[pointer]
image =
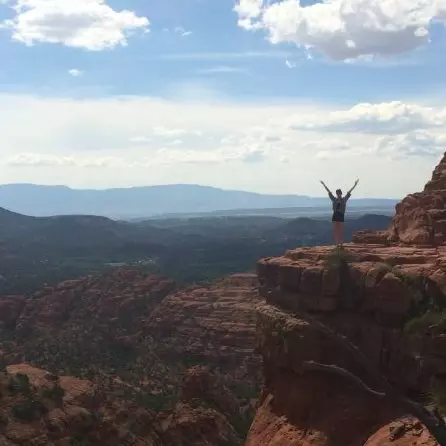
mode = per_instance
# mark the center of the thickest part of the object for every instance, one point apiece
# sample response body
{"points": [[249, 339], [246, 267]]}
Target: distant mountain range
{"points": [[150, 201]]}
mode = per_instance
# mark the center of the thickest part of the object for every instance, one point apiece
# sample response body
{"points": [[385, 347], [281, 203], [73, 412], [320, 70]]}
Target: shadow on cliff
{"points": [[338, 363]]}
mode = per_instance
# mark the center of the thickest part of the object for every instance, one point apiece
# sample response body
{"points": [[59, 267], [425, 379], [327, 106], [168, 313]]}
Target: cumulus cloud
{"points": [[136, 141], [75, 72], [344, 29], [418, 143], [415, 144], [87, 24], [382, 118]]}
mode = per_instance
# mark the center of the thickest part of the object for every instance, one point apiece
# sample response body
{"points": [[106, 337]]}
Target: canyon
{"points": [[324, 346], [163, 365]]}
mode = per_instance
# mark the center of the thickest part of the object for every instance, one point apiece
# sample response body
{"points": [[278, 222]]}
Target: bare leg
{"points": [[336, 233], [341, 233]]}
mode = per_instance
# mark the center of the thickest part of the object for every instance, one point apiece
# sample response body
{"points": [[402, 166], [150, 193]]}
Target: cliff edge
{"points": [[351, 338]]}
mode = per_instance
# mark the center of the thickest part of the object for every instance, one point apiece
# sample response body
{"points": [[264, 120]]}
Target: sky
{"points": [[268, 96]]}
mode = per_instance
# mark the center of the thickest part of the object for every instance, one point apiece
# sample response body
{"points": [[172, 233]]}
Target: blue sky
{"points": [[264, 96]]}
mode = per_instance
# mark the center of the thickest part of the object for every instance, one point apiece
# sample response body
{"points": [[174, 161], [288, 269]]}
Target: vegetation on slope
{"points": [[35, 252]]}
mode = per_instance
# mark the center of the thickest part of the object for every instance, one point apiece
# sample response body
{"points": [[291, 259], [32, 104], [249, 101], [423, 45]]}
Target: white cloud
{"points": [[183, 32], [45, 160], [418, 143], [249, 10], [136, 141], [344, 29], [87, 24], [290, 64], [75, 72], [387, 117], [160, 157]]}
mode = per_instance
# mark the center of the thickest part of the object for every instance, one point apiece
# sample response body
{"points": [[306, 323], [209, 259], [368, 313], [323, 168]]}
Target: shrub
{"points": [[430, 319], [55, 394], [438, 394], [4, 420], [157, 403], [20, 384], [383, 267], [29, 410], [339, 257], [78, 441]]}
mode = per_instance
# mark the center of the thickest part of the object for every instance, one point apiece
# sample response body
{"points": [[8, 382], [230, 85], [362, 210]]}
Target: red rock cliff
{"points": [[385, 299], [420, 218]]}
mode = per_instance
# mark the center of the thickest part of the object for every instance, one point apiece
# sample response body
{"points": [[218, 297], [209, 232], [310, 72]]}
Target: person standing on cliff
{"points": [[339, 206]]}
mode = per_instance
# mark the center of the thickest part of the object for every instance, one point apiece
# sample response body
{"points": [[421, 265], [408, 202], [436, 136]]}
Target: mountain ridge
{"points": [[149, 201]]}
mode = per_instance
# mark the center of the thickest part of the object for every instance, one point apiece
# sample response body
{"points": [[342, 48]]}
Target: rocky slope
{"points": [[341, 327], [39, 408], [141, 335], [212, 326]]}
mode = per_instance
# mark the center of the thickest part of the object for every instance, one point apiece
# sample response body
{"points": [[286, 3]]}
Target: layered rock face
{"points": [[335, 323], [213, 326], [419, 219], [373, 296]]}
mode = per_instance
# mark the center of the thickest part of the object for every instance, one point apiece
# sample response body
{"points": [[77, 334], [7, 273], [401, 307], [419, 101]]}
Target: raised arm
{"points": [[353, 187], [328, 190]]}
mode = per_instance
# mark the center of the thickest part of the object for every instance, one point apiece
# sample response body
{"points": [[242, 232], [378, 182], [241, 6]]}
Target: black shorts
{"points": [[338, 216]]}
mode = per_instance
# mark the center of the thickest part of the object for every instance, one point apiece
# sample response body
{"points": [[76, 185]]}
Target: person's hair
{"points": [[338, 192]]}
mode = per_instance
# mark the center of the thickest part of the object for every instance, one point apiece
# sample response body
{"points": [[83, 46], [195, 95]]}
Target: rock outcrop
{"points": [[374, 297], [213, 326], [405, 431], [140, 335], [338, 327], [39, 408], [420, 218], [207, 413]]}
